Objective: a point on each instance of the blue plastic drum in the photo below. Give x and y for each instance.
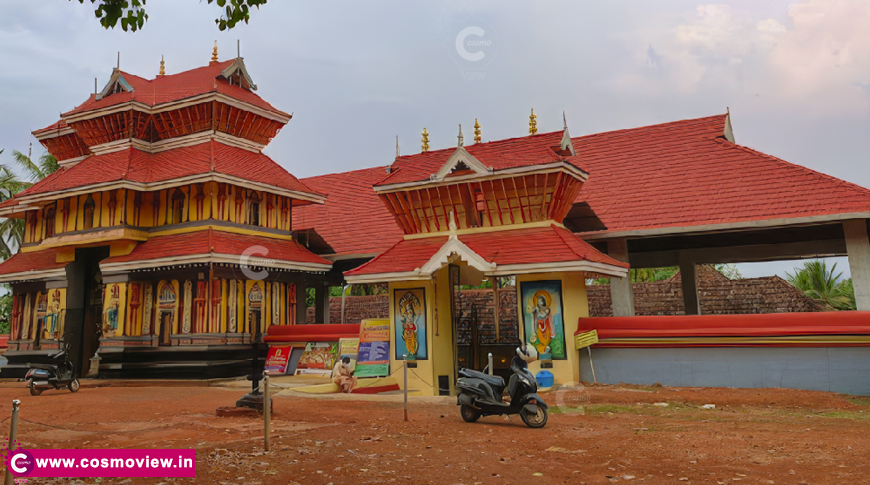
(544, 378)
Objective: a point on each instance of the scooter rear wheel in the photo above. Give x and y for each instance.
(469, 414)
(74, 385)
(34, 391)
(536, 420)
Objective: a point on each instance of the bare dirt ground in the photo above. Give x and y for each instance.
(606, 434)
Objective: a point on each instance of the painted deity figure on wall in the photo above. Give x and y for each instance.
(233, 295)
(276, 303)
(255, 306)
(543, 321)
(52, 318)
(111, 322)
(146, 316)
(291, 304)
(411, 321)
(542, 318)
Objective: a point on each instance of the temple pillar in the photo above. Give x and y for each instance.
(858, 249)
(321, 302)
(689, 281)
(301, 298)
(621, 293)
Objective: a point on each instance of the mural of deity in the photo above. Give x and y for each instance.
(276, 303)
(111, 316)
(233, 295)
(146, 316)
(53, 317)
(410, 324)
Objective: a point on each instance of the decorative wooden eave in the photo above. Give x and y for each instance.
(461, 156)
(239, 66)
(116, 78)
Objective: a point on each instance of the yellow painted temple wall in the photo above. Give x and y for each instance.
(134, 309)
(130, 208)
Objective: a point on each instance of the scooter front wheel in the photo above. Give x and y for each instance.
(537, 419)
(469, 414)
(74, 385)
(34, 391)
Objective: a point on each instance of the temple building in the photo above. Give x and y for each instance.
(167, 243)
(165, 240)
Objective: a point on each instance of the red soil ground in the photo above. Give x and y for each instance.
(596, 435)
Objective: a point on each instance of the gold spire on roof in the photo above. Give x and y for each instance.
(162, 67)
(533, 124)
(425, 140)
(476, 131)
(214, 54)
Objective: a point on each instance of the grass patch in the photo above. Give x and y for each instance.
(859, 400)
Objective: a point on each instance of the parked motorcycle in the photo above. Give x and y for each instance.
(52, 376)
(480, 394)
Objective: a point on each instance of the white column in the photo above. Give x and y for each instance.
(858, 249)
(689, 282)
(620, 288)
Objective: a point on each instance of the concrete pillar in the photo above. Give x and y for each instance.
(689, 281)
(301, 297)
(620, 288)
(858, 249)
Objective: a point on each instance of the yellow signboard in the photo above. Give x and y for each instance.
(586, 339)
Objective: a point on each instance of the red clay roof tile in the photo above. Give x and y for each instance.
(31, 261)
(219, 242)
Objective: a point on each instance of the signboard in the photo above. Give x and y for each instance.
(374, 349)
(318, 358)
(586, 339)
(277, 359)
(348, 347)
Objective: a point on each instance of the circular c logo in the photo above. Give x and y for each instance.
(245, 263)
(21, 463)
(460, 43)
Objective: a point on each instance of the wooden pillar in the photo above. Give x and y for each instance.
(858, 249)
(621, 293)
(689, 281)
(301, 297)
(321, 299)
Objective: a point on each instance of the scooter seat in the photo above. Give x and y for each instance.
(496, 381)
(42, 366)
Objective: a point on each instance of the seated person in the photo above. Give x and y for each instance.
(342, 375)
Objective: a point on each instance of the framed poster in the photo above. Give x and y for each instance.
(410, 323)
(542, 318)
(277, 359)
(374, 349)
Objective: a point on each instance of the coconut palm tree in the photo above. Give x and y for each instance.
(824, 286)
(12, 230)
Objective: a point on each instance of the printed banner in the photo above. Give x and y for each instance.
(101, 463)
(348, 347)
(373, 358)
(318, 358)
(542, 318)
(277, 359)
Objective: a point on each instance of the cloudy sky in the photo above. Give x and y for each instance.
(795, 75)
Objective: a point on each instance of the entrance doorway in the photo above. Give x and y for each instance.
(84, 306)
(165, 328)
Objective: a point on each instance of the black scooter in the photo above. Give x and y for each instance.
(52, 376)
(480, 394)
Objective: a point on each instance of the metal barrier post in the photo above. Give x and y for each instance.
(405, 366)
(267, 412)
(13, 435)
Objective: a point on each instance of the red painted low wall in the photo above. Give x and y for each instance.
(613, 331)
(312, 332)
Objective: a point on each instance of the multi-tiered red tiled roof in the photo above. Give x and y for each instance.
(667, 178)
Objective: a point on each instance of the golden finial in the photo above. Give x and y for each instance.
(162, 67)
(476, 131)
(425, 140)
(214, 55)
(533, 125)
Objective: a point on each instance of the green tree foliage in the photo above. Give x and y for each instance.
(5, 312)
(131, 13)
(823, 285)
(12, 230)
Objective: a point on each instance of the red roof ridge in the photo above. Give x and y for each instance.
(787, 164)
